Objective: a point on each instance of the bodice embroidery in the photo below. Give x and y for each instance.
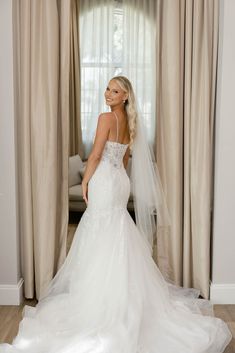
(114, 152)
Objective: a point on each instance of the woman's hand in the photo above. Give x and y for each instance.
(85, 192)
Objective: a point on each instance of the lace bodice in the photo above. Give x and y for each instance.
(114, 152)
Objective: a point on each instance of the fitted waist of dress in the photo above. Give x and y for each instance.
(115, 164)
(97, 212)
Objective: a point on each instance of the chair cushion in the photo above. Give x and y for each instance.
(75, 193)
(75, 165)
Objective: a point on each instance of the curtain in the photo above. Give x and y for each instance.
(116, 37)
(186, 59)
(76, 145)
(41, 81)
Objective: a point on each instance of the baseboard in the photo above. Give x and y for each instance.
(11, 294)
(219, 293)
(222, 293)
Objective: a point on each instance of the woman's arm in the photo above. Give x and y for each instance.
(102, 132)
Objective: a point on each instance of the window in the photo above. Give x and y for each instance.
(116, 38)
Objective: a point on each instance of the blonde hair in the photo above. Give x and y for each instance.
(129, 105)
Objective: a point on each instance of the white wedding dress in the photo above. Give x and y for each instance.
(109, 295)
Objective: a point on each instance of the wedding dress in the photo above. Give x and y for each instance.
(109, 295)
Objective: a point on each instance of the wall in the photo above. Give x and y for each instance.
(10, 279)
(222, 288)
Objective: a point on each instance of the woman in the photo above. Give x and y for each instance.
(109, 296)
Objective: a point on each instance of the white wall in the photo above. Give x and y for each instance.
(223, 260)
(10, 279)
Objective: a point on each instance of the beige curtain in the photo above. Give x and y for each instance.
(187, 36)
(41, 48)
(76, 146)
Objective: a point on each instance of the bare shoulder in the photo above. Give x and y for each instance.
(106, 115)
(104, 118)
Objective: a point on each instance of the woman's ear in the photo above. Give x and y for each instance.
(126, 97)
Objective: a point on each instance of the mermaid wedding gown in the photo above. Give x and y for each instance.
(109, 296)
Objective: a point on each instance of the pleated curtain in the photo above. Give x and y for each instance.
(41, 81)
(76, 143)
(186, 61)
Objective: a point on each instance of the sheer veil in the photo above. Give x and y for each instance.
(151, 211)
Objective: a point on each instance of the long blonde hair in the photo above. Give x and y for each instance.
(129, 105)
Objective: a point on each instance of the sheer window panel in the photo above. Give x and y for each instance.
(116, 37)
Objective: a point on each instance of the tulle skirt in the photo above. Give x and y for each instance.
(112, 298)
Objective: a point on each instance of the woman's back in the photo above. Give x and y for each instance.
(119, 130)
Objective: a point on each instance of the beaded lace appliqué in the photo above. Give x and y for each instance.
(113, 153)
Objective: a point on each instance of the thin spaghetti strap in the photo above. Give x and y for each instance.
(117, 126)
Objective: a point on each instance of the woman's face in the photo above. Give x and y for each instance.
(114, 94)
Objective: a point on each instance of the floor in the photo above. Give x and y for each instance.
(10, 316)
